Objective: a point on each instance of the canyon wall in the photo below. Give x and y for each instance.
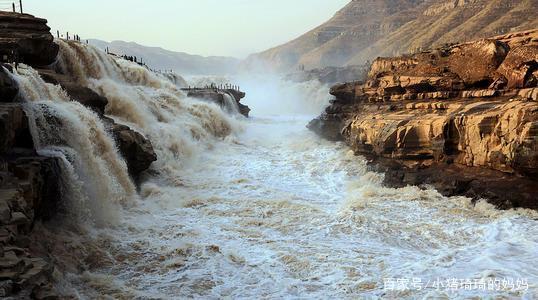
(30, 184)
(463, 118)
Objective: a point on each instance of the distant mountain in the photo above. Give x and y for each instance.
(182, 63)
(366, 29)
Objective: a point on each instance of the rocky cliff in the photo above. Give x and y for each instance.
(365, 29)
(27, 39)
(31, 184)
(463, 118)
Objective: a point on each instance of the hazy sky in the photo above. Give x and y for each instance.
(205, 27)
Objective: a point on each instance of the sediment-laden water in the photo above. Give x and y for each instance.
(260, 207)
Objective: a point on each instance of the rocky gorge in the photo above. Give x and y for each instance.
(462, 118)
(121, 182)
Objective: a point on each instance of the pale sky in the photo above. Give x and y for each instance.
(205, 27)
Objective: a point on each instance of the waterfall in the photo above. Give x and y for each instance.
(230, 104)
(62, 128)
(178, 127)
(150, 103)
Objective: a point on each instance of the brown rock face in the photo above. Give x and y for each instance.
(8, 87)
(217, 96)
(26, 39)
(366, 29)
(134, 147)
(30, 190)
(471, 107)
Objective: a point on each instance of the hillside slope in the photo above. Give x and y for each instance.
(180, 62)
(366, 29)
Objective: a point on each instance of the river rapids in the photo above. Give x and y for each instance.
(256, 208)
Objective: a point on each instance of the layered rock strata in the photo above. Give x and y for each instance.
(26, 39)
(463, 118)
(30, 190)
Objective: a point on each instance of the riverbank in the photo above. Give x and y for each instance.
(461, 118)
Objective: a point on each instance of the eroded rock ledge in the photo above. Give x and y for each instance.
(463, 118)
(217, 96)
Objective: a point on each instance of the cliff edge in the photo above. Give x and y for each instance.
(463, 118)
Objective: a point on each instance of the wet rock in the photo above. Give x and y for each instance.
(44, 293)
(6, 287)
(76, 92)
(8, 87)
(14, 129)
(18, 218)
(5, 211)
(10, 261)
(330, 129)
(41, 176)
(134, 147)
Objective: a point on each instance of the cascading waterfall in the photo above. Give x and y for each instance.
(68, 130)
(148, 102)
(230, 104)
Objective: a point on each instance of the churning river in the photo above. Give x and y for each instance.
(261, 208)
(275, 212)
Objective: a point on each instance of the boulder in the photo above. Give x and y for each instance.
(345, 92)
(76, 92)
(519, 65)
(133, 146)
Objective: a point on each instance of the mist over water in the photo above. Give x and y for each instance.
(250, 208)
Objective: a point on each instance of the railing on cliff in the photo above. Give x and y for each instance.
(214, 87)
(11, 6)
